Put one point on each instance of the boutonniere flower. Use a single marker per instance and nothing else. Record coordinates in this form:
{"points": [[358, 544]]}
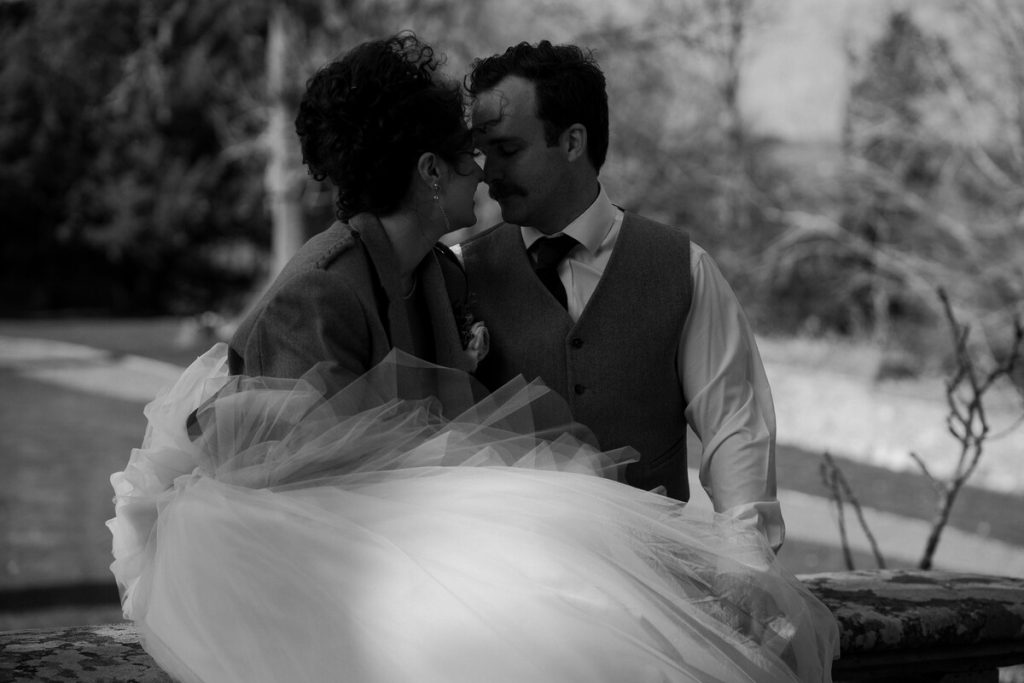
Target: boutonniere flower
{"points": [[472, 333], [477, 341]]}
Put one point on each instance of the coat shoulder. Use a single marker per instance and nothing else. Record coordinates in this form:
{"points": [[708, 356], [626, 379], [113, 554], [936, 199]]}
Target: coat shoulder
{"points": [[486, 236], [322, 262], [327, 248]]}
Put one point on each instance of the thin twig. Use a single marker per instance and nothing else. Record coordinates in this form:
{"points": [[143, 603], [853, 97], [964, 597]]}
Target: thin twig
{"points": [[966, 421], [840, 489], [937, 485], [830, 479]]}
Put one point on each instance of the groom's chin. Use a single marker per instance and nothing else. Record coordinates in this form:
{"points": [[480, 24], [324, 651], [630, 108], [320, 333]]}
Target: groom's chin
{"points": [[511, 209]]}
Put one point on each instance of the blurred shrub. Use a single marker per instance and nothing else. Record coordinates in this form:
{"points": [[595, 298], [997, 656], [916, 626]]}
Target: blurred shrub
{"points": [[118, 193], [929, 193]]}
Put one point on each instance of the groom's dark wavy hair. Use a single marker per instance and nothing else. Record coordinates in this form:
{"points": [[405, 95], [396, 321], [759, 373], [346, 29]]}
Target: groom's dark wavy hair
{"points": [[570, 89], [366, 118]]}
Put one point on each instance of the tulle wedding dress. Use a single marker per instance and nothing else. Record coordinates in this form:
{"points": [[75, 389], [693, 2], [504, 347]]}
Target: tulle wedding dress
{"points": [[275, 530]]}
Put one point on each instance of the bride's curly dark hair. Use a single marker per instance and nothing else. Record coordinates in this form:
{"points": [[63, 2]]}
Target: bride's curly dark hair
{"points": [[365, 119]]}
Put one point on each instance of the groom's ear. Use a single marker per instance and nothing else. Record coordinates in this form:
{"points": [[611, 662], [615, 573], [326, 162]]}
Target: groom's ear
{"points": [[574, 141], [428, 168]]}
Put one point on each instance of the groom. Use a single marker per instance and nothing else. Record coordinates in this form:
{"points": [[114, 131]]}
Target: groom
{"points": [[630, 321]]}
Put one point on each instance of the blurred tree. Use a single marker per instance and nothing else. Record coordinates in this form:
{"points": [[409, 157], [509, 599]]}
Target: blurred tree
{"points": [[682, 149], [149, 158], [48, 96], [129, 103], [932, 194], [894, 160]]}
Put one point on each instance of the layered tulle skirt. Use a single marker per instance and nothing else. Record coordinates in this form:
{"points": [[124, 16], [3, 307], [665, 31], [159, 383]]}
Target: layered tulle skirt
{"points": [[279, 530]]}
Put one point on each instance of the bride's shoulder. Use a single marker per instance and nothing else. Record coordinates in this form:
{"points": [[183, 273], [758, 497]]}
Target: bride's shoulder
{"points": [[485, 238], [324, 249]]}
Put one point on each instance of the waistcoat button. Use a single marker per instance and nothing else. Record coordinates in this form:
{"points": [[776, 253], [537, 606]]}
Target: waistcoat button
{"points": [[576, 343], [579, 389]]}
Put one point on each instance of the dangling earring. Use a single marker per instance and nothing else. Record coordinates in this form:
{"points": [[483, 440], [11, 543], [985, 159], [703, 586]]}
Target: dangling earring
{"points": [[440, 206]]}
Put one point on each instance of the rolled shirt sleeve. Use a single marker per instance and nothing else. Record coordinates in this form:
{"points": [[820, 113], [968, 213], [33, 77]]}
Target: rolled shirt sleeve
{"points": [[729, 403]]}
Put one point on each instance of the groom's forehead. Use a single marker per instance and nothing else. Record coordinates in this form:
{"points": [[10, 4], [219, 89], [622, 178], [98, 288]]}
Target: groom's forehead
{"points": [[490, 110], [509, 103]]}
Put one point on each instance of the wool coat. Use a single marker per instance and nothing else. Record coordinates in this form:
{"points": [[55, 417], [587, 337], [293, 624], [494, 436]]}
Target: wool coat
{"points": [[339, 302]]}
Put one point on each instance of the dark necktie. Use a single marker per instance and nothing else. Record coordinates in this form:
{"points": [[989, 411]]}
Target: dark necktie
{"points": [[549, 252]]}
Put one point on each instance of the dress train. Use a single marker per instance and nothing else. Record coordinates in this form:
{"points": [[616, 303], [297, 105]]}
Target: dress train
{"points": [[280, 530]]}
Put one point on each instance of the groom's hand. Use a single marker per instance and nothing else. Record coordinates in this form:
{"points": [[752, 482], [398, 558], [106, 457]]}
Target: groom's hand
{"points": [[747, 607]]}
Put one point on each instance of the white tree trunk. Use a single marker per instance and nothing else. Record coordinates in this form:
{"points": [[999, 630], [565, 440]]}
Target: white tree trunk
{"points": [[283, 178]]}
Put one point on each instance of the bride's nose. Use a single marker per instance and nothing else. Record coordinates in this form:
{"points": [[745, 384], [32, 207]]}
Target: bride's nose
{"points": [[490, 170]]}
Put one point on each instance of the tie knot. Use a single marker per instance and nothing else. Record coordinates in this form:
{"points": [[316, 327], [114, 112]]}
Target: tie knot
{"points": [[551, 250]]}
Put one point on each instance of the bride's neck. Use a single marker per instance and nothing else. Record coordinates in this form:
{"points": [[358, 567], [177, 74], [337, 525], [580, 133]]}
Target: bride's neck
{"points": [[409, 242]]}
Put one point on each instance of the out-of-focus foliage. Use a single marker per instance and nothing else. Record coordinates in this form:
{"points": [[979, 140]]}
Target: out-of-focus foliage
{"points": [[682, 150], [134, 143], [141, 141], [114, 145], [932, 191], [45, 136]]}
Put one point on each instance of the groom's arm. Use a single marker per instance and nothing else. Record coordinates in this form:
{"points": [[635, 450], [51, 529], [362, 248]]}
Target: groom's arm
{"points": [[729, 403]]}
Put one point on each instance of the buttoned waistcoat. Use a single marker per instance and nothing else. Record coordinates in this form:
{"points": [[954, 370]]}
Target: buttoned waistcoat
{"points": [[617, 365]]}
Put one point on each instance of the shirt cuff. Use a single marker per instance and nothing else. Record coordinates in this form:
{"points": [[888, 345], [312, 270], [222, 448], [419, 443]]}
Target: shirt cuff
{"points": [[762, 516]]}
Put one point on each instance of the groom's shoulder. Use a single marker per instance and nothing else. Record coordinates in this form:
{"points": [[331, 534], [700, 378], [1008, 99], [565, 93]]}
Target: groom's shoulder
{"points": [[654, 228]]}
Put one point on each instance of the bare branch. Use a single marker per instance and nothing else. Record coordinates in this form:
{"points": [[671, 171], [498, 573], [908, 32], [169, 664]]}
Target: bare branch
{"points": [[967, 420], [841, 491], [830, 478], [932, 479]]}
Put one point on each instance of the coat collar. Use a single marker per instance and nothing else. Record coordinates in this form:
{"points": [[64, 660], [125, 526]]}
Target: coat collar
{"points": [[447, 343]]}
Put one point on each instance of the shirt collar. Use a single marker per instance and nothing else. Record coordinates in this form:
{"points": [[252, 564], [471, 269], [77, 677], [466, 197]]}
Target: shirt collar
{"points": [[589, 228]]}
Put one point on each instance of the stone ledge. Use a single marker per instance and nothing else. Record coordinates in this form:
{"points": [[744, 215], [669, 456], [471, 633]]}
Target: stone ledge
{"points": [[894, 626], [110, 652], [900, 625]]}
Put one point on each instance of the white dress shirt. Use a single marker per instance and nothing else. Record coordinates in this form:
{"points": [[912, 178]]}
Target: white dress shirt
{"points": [[729, 403]]}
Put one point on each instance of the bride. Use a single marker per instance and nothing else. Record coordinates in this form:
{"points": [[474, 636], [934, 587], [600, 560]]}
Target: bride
{"points": [[379, 517]]}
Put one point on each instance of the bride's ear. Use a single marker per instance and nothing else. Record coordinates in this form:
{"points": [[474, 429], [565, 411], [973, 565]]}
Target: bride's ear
{"points": [[428, 168]]}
